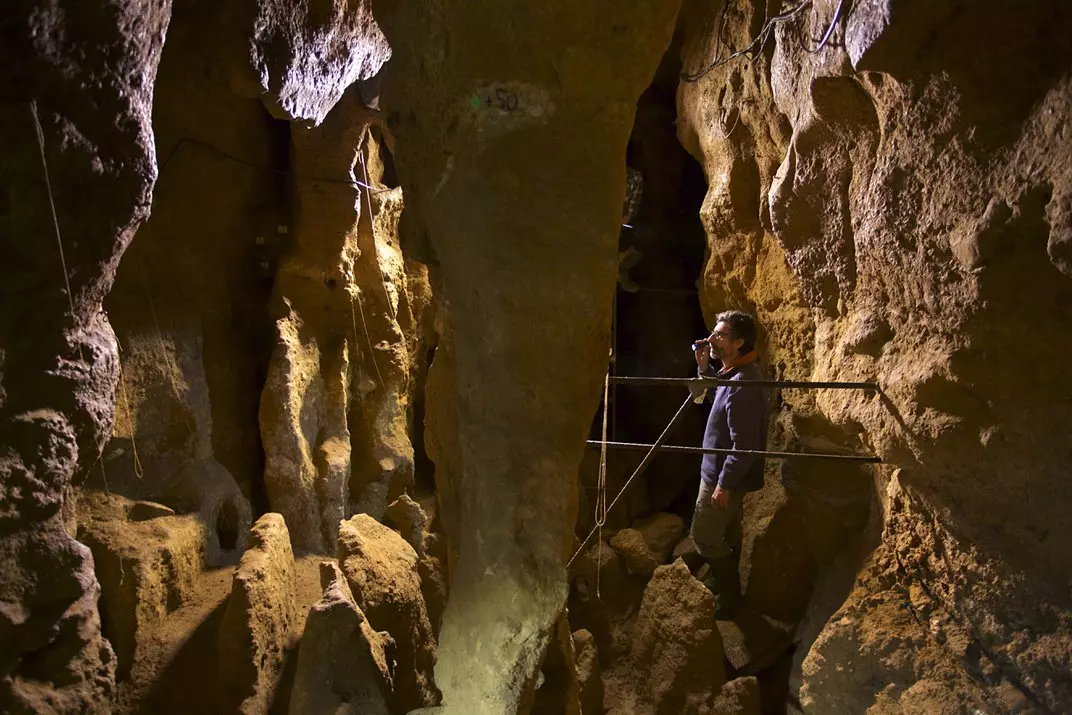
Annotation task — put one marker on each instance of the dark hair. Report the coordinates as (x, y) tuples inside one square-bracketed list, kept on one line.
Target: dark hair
[(742, 327)]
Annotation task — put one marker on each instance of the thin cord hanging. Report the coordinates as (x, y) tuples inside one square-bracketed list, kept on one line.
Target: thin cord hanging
[(355, 295), (372, 229), (601, 485), (828, 34), (139, 472), (753, 48), (55, 218)]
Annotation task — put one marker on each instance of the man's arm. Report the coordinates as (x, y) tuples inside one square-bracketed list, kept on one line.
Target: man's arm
[(744, 415)]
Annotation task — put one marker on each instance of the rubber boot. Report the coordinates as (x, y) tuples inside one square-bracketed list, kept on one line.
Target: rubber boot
[(724, 581)]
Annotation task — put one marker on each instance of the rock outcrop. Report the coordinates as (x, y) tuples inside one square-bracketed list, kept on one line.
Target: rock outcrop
[(587, 661), (259, 623), (344, 666), (335, 407), (381, 570), (146, 566), (891, 203), (510, 124), (677, 650), (79, 80)]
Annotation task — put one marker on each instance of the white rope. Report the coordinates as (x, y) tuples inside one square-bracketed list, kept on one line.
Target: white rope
[(601, 485), (55, 218), (372, 228)]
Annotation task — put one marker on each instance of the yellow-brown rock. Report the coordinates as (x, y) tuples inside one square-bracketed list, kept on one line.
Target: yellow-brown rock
[(510, 123)]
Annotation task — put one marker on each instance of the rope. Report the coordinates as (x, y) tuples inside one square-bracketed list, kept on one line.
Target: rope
[(753, 48), (139, 472), (601, 484), (254, 165), (166, 358), (55, 218), (829, 32), (637, 472), (372, 231), (355, 294)]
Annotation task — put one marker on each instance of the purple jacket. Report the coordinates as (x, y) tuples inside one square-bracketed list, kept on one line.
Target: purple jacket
[(739, 419)]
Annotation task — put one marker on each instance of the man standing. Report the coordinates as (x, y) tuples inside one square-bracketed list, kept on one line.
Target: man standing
[(738, 421)]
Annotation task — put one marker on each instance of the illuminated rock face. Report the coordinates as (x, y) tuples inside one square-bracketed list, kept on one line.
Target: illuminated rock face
[(90, 69), (894, 207), (510, 122)]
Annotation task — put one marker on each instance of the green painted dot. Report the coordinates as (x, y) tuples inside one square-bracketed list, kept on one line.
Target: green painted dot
[(475, 102)]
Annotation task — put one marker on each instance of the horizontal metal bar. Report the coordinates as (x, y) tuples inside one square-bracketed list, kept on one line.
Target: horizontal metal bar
[(669, 381), (747, 452)]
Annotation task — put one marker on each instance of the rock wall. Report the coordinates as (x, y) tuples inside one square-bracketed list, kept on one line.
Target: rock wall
[(510, 124), (86, 73), (893, 204)]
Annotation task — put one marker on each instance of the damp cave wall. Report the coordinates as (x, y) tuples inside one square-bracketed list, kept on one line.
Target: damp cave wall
[(894, 207)]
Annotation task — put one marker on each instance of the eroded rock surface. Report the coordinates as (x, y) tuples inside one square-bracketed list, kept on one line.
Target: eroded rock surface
[(510, 123), (890, 204), (677, 650), (87, 73), (344, 666), (146, 568), (259, 624), (381, 570)]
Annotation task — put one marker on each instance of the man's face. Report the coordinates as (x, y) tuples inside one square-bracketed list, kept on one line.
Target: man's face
[(722, 342)]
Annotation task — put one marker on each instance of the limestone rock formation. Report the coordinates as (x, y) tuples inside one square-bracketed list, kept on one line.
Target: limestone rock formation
[(80, 81), (557, 687), (895, 213), (299, 58), (591, 685), (639, 558), (146, 567), (510, 123), (258, 626), (738, 697), (409, 518), (677, 650), (344, 666), (662, 532), (381, 570), (334, 408)]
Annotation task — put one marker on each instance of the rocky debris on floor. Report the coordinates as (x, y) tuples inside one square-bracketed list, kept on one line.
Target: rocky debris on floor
[(686, 550), (662, 532), (677, 650), (639, 558), (344, 666), (259, 623), (414, 524), (146, 567), (738, 697), (752, 642), (558, 689), (381, 570), (409, 519), (601, 573), (586, 657)]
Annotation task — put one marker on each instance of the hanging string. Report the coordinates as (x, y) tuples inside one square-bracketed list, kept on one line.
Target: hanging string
[(165, 357), (139, 472), (372, 226), (356, 295), (55, 218), (601, 484)]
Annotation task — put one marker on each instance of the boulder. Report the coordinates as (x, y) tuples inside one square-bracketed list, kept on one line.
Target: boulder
[(586, 657), (633, 547), (344, 666), (738, 697), (409, 518), (258, 626), (662, 532), (557, 687), (677, 650), (146, 570), (614, 587), (381, 570)]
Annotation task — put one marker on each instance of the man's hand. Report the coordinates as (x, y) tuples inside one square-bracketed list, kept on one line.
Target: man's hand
[(703, 354), (720, 498)]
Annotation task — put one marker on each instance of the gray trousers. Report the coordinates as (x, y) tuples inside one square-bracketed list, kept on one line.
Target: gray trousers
[(716, 531)]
